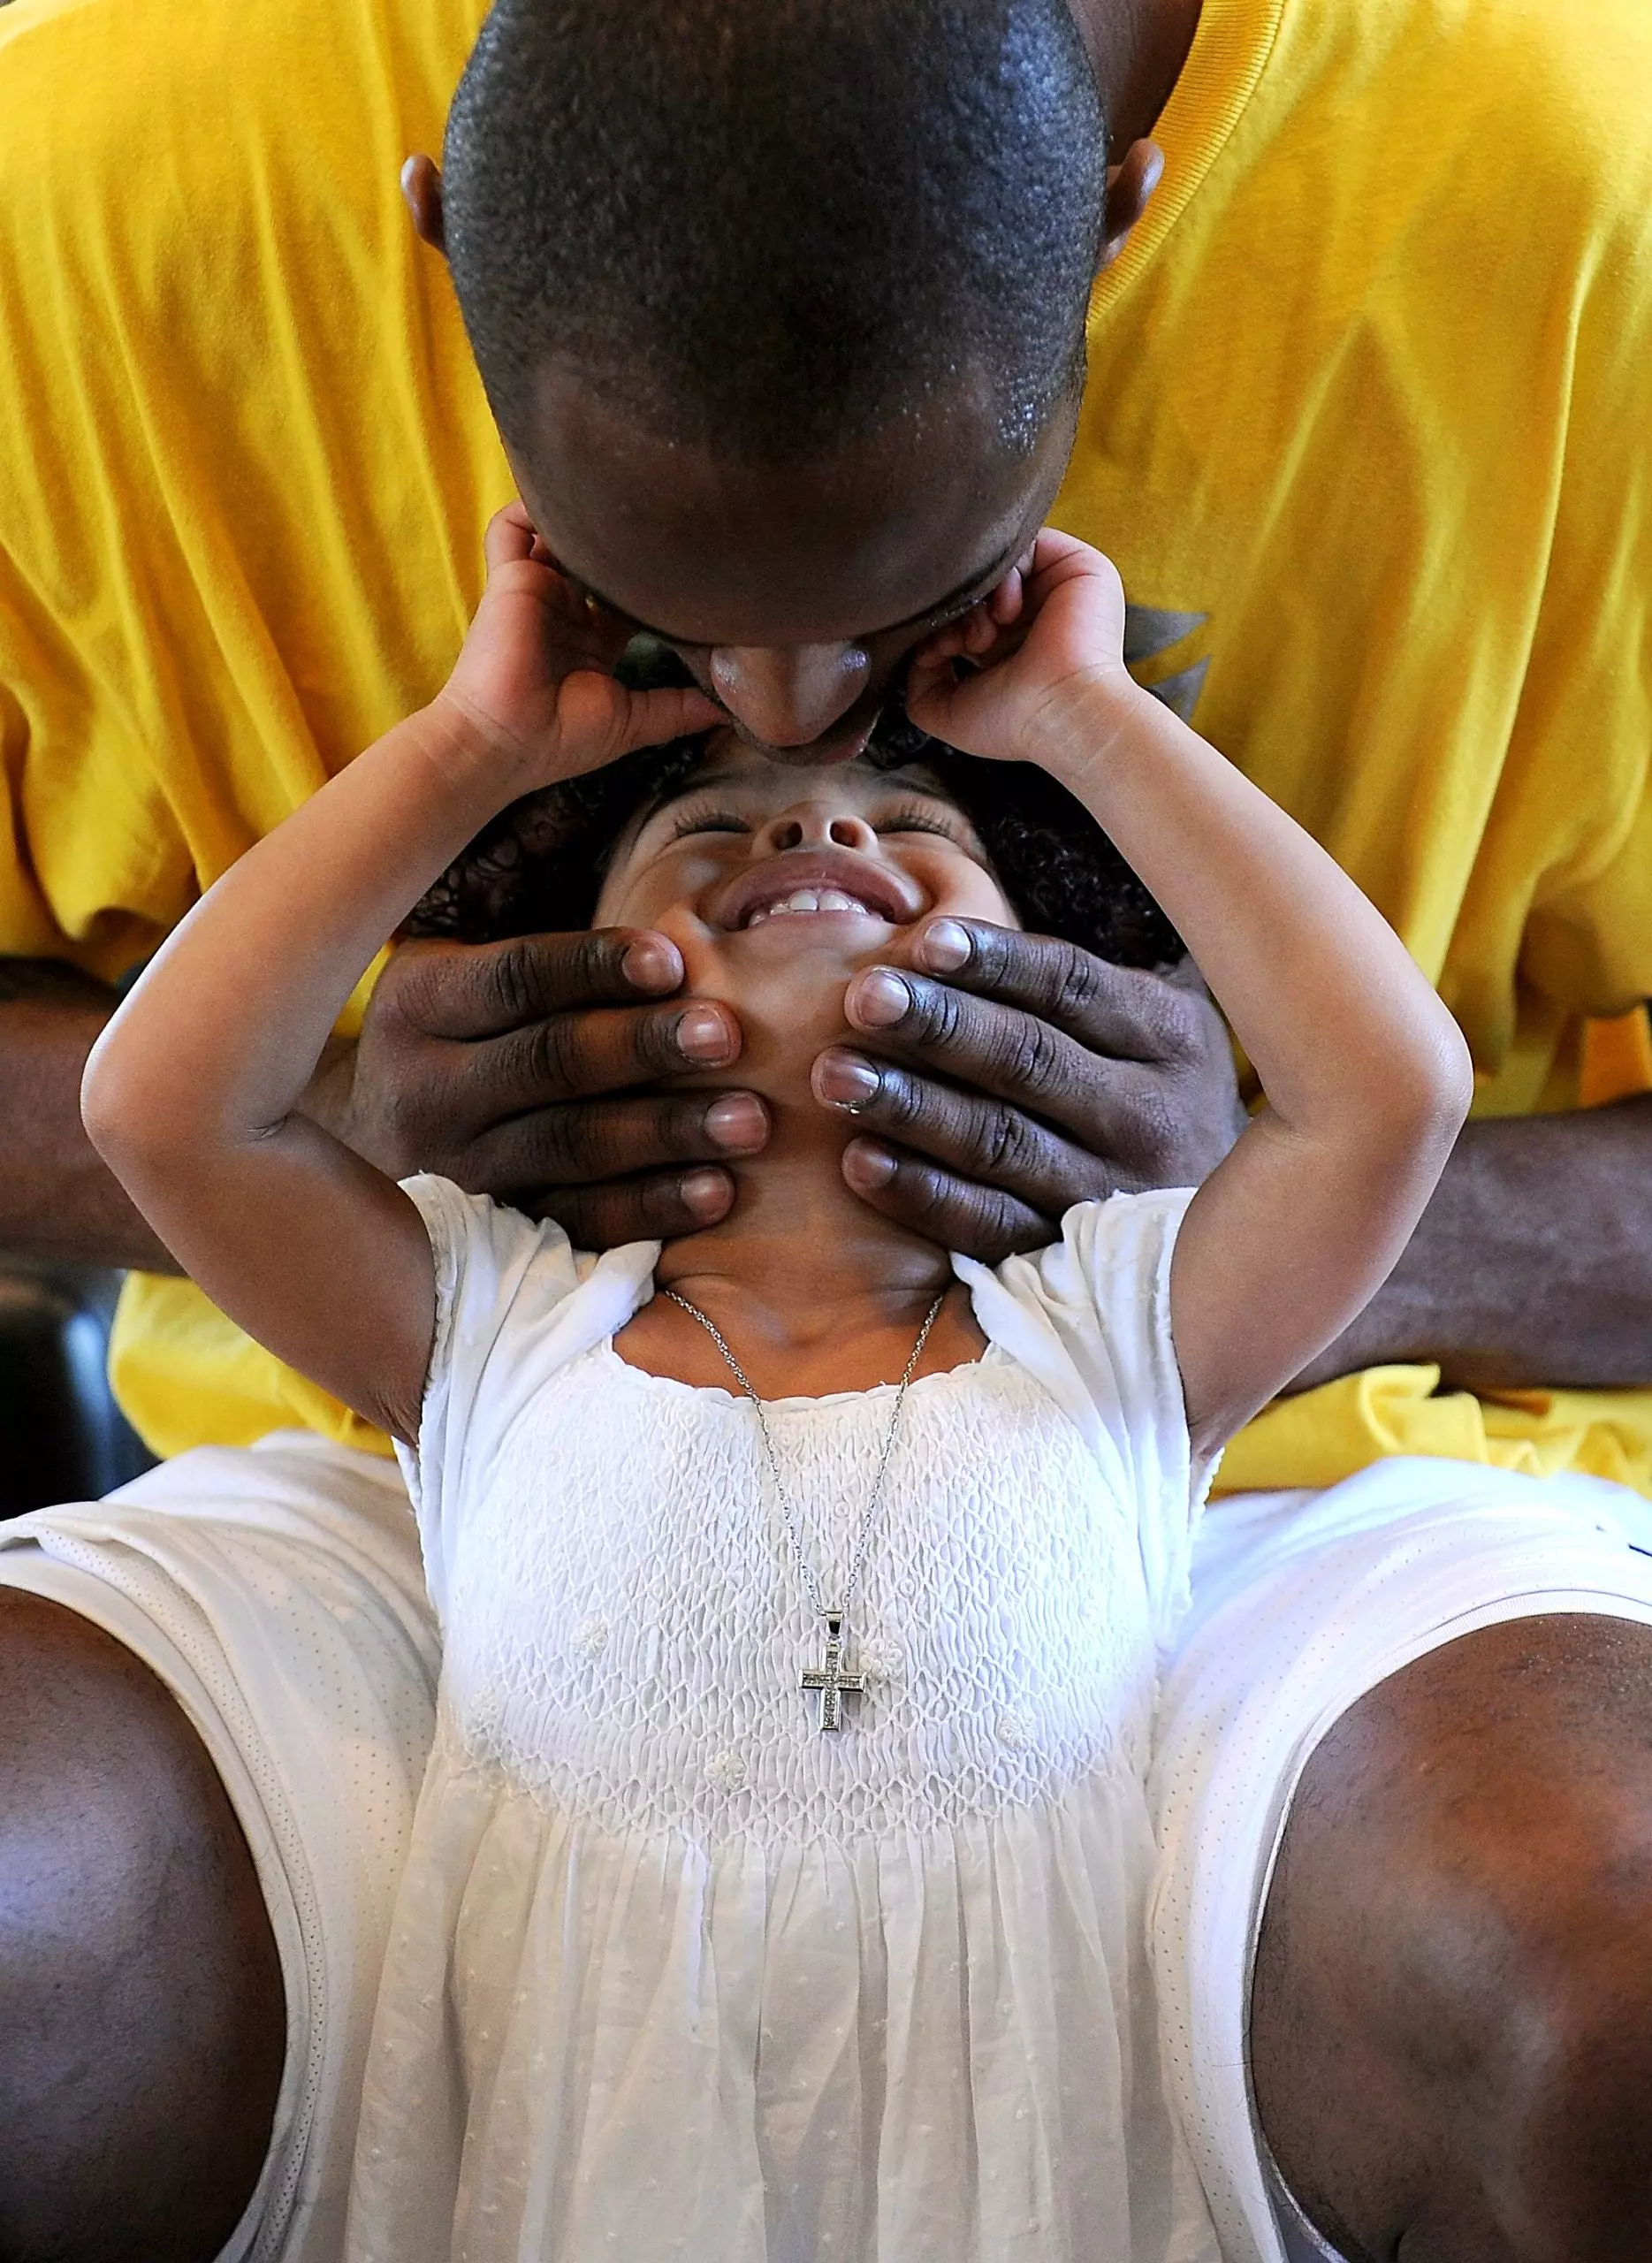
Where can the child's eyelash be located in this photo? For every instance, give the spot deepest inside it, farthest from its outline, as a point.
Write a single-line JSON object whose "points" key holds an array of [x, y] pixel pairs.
{"points": [[914, 818], [708, 822]]}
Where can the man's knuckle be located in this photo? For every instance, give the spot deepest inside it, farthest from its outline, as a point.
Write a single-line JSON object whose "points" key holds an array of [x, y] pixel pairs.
{"points": [[552, 1054], [1005, 1146], [902, 1102], [1028, 1054], [508, 986], [1079, 982], [594, 966], [1155, 1128], [937, 1016]]}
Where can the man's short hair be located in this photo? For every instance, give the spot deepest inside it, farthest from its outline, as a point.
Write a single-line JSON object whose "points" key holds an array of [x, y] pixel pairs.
{"points": [[776, 226]]}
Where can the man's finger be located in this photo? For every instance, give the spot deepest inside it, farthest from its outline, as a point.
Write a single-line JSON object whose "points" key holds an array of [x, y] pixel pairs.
{"points": [[571, 1056], [656, 1208], [981, 1222], [1010, 1054], [966, 1134], [572, 1145], [472, 990], [1129, 1013]]}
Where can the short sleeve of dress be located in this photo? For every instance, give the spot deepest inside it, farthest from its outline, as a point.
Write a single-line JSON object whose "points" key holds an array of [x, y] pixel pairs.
{"points": [[513, 1302], [1090, 1316]]}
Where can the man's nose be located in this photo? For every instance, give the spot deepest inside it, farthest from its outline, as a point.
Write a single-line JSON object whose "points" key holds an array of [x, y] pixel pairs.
{"points": [[788, 695], [815, 824]]}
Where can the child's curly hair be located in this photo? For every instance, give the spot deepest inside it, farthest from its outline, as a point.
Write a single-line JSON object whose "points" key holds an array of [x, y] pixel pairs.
{"points": [[539, 866]]}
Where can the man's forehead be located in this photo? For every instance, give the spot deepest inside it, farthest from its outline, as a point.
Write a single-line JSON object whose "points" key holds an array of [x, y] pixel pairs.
{"points": [[708, 550]]}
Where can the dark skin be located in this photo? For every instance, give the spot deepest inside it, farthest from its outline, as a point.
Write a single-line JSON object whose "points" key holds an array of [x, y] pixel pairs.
{"points": [[1451, 2027], [545, 1067], [141, 2010]]}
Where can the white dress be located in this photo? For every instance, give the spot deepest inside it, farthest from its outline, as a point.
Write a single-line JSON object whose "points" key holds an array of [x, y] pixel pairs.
{"points": [[675, 1976]]}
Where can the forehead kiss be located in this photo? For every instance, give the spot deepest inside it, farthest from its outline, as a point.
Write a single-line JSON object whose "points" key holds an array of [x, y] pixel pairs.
{"points": [[795, 595]]}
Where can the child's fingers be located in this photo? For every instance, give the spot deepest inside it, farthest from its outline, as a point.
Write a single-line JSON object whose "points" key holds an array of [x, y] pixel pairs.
{"points": [[931, 687], [1058, 557], [980, 630], [669, 713], [510, 536], [1007, 600]]}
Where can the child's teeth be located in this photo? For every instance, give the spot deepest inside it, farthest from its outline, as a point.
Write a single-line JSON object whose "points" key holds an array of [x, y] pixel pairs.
{"points": [[808, 899]]}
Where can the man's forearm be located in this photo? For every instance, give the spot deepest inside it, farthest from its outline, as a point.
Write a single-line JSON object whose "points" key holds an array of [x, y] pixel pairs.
{"points": [[1532, 1265], [58, 1198]]}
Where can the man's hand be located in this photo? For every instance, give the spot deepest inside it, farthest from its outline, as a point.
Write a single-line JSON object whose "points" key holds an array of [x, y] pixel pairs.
{"points": [[507, 1067], [1033, 1076]]}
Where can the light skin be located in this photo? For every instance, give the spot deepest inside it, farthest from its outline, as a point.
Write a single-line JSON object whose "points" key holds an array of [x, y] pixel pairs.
{"points": [[194, 1093]]}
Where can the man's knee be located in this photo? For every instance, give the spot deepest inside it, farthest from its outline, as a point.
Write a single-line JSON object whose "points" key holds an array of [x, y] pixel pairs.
{"points": [[1452, 2021], [141, 2018]]}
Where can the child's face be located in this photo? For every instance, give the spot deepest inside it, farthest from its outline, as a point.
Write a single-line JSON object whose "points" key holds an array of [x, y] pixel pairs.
{"points": [[778, 885]]}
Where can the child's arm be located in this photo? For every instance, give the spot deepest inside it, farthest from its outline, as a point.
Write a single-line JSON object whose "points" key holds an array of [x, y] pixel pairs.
{"points": [[192, 1093], [1367, 1076]]}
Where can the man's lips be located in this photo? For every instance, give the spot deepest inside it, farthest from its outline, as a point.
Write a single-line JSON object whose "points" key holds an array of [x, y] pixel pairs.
{"points": [[887, 894]]}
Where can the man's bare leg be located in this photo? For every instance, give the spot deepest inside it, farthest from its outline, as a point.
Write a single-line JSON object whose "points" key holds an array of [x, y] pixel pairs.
{"points": [[1451, 2020], [142, 2021]]}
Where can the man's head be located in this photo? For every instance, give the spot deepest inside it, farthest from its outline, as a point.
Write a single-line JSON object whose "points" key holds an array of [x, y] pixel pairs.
{"points": [[780, 306], [773, 233]]}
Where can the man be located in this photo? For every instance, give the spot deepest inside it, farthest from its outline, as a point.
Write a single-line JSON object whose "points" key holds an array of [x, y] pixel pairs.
{"points": [[1292, 496]]}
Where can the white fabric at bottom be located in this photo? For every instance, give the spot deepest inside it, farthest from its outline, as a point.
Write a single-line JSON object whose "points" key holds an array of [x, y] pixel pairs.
{"points": [[1302, 1602], [672, 1975], [277, 1591]]}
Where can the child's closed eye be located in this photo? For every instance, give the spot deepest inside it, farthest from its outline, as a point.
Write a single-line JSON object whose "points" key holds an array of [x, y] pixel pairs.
{"points": [[919, 820], [691, 820]]}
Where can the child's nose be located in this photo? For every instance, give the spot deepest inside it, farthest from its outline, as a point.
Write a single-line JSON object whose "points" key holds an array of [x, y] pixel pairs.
{"points": [[814, 825]]}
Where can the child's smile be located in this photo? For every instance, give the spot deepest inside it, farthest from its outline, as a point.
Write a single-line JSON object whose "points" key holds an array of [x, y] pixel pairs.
{"points": [[834, 884], [780, 885]]}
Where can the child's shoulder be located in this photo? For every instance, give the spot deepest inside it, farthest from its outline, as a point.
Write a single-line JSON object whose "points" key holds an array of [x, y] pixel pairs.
{"points": [[497, 1269], [1104, 1253]]}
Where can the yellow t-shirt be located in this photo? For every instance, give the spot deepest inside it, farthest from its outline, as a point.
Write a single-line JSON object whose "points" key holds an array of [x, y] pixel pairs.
{"points": [[1365, 432]]}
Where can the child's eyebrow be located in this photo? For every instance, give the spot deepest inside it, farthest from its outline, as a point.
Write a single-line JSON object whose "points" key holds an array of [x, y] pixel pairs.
{"points": [[964, 592]]}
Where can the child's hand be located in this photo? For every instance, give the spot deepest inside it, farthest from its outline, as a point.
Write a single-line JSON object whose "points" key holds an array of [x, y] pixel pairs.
{"points": [[535, 679], [1048, 638]]}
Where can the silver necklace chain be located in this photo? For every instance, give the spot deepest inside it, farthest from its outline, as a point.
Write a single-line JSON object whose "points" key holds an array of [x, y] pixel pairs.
{"points": [[822, 1609]]}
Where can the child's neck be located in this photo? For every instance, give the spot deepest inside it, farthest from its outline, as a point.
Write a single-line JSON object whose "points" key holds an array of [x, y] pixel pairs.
{"points": [[813, 1290]]}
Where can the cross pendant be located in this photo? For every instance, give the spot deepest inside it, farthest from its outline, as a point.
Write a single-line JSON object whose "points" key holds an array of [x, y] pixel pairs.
{"points": [[829, 1681]]}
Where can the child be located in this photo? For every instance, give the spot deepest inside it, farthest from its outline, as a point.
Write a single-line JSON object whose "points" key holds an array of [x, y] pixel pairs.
{"points": [[777, 1891]]}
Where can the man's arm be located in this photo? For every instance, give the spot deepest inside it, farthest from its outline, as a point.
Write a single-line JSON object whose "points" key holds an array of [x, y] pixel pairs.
{"points": [[1532, 1263], [57, 1197], [989, 1103], [505, 1066]]}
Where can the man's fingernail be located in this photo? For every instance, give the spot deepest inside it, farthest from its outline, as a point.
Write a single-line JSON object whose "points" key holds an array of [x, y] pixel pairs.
{"points": [[867, 1167], [946, 947], [703, 1035], [738, 1122], [705, 1193], [880, 997], [845, 1080], [651, 963]]}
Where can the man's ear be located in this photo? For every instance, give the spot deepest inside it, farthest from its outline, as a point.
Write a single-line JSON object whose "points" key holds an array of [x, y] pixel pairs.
{"points": [[1129, 188], [421, 192]]}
